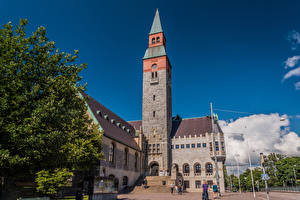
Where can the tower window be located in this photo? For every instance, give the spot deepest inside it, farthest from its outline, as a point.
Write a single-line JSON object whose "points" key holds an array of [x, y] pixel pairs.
{"points": [[155, 74], [153, 97], [152, 74], [153, 113], [157, 39], [153, 40], [154, 66]]}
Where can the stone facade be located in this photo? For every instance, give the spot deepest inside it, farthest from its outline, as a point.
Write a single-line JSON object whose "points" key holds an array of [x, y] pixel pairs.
{"points": [[192, 157], [120, 167]]}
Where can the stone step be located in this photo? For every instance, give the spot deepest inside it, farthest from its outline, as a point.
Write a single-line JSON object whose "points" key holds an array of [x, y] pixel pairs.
{"points": [[158, 180], [151, 189]]}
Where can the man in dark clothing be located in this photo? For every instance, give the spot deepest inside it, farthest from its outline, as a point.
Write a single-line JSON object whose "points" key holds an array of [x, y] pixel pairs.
{"points": [[204, 193]]}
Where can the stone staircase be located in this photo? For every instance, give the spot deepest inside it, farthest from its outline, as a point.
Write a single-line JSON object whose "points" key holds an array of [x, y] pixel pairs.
{"points": [[155, 184]]}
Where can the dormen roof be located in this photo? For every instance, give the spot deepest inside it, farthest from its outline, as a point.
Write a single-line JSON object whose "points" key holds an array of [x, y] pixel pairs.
{"points": [[192, 126], [156, 25], [185, 127], [114, 127], [136, 124]]}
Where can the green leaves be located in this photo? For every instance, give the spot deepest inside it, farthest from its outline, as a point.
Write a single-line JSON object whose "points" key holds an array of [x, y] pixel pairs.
{"points": [[43, 122], [49, 181]]}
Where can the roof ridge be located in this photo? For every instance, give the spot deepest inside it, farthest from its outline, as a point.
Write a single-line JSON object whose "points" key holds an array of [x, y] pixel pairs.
{"points": [[195, 117]]}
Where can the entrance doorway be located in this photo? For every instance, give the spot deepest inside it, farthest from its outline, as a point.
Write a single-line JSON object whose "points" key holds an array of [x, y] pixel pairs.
{"points": [[154, 169]]}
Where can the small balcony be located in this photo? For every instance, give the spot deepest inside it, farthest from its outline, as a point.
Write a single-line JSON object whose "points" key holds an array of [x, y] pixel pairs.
{"points": [[186, 174], [197, 174]]}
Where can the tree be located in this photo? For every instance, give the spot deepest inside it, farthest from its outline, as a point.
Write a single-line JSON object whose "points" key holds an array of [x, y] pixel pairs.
{"points": [[43, 123], [288, 168]]}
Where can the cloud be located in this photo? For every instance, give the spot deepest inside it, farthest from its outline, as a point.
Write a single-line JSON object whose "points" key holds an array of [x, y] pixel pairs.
{"points": [[291, 62], [294, 72], [263, 133], [297, 86], [294, 39]]}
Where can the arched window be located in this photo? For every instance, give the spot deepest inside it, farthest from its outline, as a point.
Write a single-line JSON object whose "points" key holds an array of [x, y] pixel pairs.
{"points": [[157, 39], [186, 168], [154, 66], [126, 157], [125, 180], [209, 168], [136, 156], [197, 168], [111, 155], [153, 40]]}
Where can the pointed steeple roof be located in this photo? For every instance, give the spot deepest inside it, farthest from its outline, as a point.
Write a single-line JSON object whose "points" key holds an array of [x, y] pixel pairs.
{"points": [[156, 26]]}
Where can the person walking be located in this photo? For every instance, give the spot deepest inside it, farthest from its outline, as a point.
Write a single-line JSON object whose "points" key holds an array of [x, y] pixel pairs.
{"points": [[204, 188], [172, 188], [215, 191]]}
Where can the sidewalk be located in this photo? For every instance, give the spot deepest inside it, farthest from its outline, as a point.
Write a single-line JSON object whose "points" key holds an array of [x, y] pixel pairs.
{"points": [[198, 196]]}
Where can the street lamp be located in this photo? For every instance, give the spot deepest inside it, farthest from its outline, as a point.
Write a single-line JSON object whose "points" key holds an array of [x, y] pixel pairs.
{"points": [[295, 174], [251, 173], [214, 150], [238, 166]]}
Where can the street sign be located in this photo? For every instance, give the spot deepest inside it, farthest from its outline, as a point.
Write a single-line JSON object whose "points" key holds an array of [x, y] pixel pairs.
{"points": [[265, 177]]}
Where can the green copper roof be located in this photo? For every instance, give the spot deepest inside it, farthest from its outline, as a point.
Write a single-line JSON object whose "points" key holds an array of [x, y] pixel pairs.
{"points": [[155, 52], [156, 26]]}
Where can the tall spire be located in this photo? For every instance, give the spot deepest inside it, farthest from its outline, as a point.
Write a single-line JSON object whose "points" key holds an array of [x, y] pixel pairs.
{"points": [[156, 26]]}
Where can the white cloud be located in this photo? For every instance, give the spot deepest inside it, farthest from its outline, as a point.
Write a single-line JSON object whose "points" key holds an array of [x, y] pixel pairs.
{"points": [[264, 133], [297, 86], [294, 39], [291, 62], [294, 72]]}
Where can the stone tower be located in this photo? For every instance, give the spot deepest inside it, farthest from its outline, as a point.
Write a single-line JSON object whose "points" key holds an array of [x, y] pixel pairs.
{"points": [[157, 101]]}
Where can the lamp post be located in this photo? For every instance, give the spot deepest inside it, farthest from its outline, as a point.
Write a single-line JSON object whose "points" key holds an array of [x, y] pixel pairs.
{"points": [[262, 160], [295, 174], [214, 150], [238, 166], [251, 172]]}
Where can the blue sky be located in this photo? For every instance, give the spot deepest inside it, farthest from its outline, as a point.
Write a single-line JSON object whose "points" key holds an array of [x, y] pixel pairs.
{"points": [[231, 53]]}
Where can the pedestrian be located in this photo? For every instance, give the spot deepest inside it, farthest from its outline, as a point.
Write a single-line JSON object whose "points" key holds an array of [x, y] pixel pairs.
{"points": [[204, 192], [176, 189], [172, 188], [145, 183], [215, 191]]}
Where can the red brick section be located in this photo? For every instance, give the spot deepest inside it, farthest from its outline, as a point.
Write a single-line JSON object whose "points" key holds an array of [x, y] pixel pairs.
{"points": [[161, 62], [162, 40]]}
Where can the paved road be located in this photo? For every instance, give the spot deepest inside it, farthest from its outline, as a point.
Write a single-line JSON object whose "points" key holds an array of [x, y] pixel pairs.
{"points": [[197, 196]]}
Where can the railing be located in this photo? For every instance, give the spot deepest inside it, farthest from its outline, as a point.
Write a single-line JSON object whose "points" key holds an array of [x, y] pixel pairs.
{"points": [[154, 80], [197, 174], [286, 189], [186, 174]]}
